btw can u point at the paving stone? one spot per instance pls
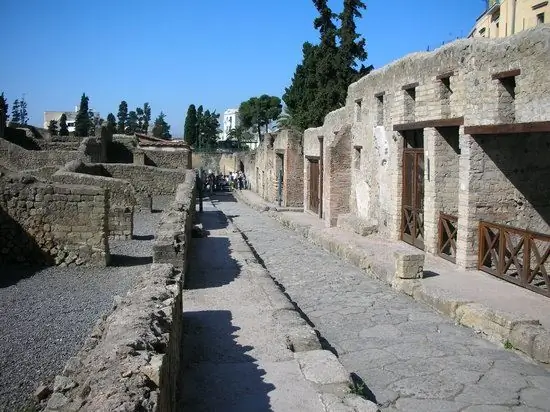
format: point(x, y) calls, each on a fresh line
point(437, 359)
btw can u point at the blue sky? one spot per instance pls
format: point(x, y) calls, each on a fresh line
point(172, 53)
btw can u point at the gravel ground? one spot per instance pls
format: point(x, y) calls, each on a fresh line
point(46, 314)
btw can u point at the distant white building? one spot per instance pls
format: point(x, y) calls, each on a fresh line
point(230, 121)
point(71, 117)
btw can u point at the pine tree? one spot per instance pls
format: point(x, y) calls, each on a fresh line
point(190, 128)
point(352, 45)
point(161, 129)
point(4, 115)
point(23, 114)
point(132, 123)
point(140, 118)
point(52, 127)
point(15, 112)
point(83, 123)
point(63, 129)
point(111, 123)
point(122, 117)
point(146, 117)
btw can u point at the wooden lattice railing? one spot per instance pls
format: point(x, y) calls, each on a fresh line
point(516, 255)
point(447, 230)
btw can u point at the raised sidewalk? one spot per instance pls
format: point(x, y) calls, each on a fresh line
point(498, 310)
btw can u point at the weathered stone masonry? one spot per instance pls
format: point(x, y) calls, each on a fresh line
point(474, 111)
point(52, 223)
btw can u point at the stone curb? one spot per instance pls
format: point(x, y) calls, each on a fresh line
point(318, 366)
point(526, 335)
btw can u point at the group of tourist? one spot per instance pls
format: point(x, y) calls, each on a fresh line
point(220, 182)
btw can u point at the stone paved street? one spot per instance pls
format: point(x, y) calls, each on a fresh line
point(409, 357)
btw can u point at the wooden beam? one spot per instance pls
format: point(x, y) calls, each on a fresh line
point(445, 75)
point(379, 94)
point(508, 73)
point(456, 121)
point(410, 86)
point(510, 128)
point(357, 147)
point(540, 5)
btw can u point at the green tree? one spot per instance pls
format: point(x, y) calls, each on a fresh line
point(52, 127)
point(190, 129)
point(111, 123)
point(4, 114)
point(320, 81)
point(260, 111)
point(63, 129)
point(161, 129)
point(23, 114)
point(15, 112)
point(146, 117)
point(132, 123)
point(83, 123)
point(122, 117)
point(140, 117)
point(239, 134)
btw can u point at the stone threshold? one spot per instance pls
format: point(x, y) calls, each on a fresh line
point(518, 331)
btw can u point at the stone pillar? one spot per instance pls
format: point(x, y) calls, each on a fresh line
point(139, 157)
point(338, 172)
point(431, 206)
point(470, 182)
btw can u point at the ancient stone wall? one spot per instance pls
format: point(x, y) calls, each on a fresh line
point(122, 198)
point(217, 162)
point(131, 360)
point(288, 148)
point(121, 149)
point(173, 234)
point(165, 157)
point(52, 223)
point(439, 96)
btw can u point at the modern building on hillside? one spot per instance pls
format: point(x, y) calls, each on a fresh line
point(230, 121)
point(506, 17)
point(71, 117)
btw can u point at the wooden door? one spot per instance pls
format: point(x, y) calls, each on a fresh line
point(314, 185)
point(412, 222)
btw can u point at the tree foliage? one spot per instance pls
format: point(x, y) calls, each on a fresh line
point(240, 134)
point(132, 123)
point(146, 117)
point(111, 123)
point(190, 130)
point(4, 107)
point(23, 114)
point(319, 84)
point(83, 123)
point(258, 112)
point(15, 112)
point(161, 129)
point(122, 117)
point(63, 129)
point(52, 127)
point(208, 128)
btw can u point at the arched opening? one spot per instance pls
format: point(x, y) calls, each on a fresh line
point(241, 166)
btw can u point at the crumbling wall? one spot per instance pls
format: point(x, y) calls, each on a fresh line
point(174, 230)
point(338, 176)
point(52, 223)
point(122, 198)
point(121, 149)
point(165, 157)
point(217, 162)
point(147, 181)
point(131, 360)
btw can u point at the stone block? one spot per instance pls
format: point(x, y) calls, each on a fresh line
point(409, 265)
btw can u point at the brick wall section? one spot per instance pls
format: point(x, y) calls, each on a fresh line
point(337, 176)
point(52, 223)
point(173, 234)
point(122, 198)
point(289, 143)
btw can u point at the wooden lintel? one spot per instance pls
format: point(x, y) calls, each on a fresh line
point(280, 151)
point(508, 73)
point(379, 94)
point(445, 75)
point(539, 5)
point(312, 158)
point(410, 86)
point(357, 147)
point(359, 101)
point(455, 121)
point(510, 128)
